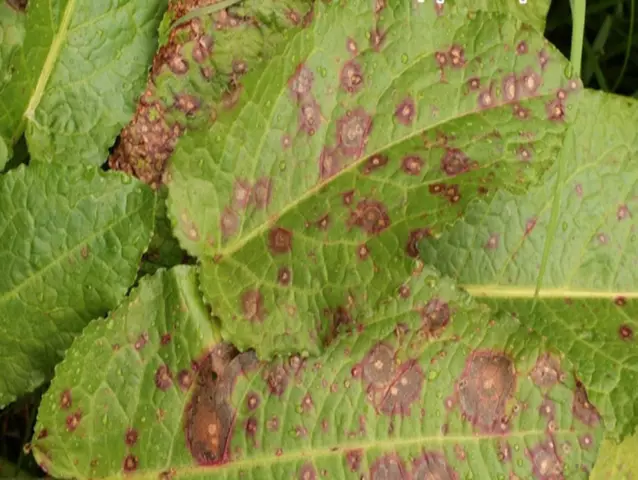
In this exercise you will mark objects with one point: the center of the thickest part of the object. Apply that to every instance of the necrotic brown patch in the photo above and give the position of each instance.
(262, 190)
(252, 306)
(487, 382)
(73, 420)
(130, 437)
(307, 472)
(276, 378)
(375, 162)
(625, 332)
(530, 81)
(510, 88)
(457, 56)
(309, 116)
(352, 132)
(163, 377)
(351, 46)
(241, 194)
(363, 251)
(412, 164)
(582, 408)
(432, 466)
(184, 380)
(329, 163)
(474, 84)
(300, 83)
(371, 216)
(130, 463)
(65, 400)
(228, 223)
(404, 390)
(378, 365)
(546, 464)
(377, 37)
(351, 77)
(546, 372)
(389, 467)
(405, 111)
(555, 110)
(353, 459)
(279, 240)
(521, 47)
(454, 162)
(284, 276)
(415, 236)
(435, 316)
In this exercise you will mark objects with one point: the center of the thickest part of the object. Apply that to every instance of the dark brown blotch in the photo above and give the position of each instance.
(378, 366)
(474, 84)
(412, 164)
(625, 332)
(284, 276)
(582, 408)
(457, 56)
(521, 47)
(253, 401)
(555, 110)
(405, 111)
(363, 251)
(252, 306)
(351, 77)
(163, 377)
(546, 372)
(404, 390)
(18, 5)
(435, 315)
(353, 130)
(276, 378)
(353, 459)
(202, 48)
(323, 223)
(187, 104)
(371, 216)
(73, 420)
(165, 339)
(184, 380)
(414, 237)
(374, 162)
(488, 381)
(351, 46)
(130, 463)
(530, 82)
(279, 240)
(454, 162)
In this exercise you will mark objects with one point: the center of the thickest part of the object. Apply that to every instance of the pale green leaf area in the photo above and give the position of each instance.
(574, 238)
(366, 129)
(71, 240)
(77, 77)
(454, 392)
(617, 461)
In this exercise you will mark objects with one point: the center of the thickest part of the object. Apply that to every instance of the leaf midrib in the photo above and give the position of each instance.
(59, 39)
(531, 292)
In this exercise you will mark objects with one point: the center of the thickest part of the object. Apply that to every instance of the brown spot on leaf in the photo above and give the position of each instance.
(73, 420)
(581, 407)
(353, 459)
(351, 77)
(187, 104)
(457, 56)
(378, 365)
(228, 223)
(530, 81)
(520, 112)
(252, 401)
(329, 163)
(352, 132)
(474, 84)
(66, 400)
(184, 380)
(351, 46)
(377, 37)
(371, 216)
(521, 47)
(279, 240)
(141, 341)
(309, 116)
(388, 467)
(130, 463)
(454, 162)
(130, 437)
(241, 194)
(163, 377)
(276, 379)
(404, 291)
(555, 110)
(487, 382)
(403, 391)
(625, 332)
(586, 441)
(375, 162)
(524, 153)
(510, 88)
(166, 339)
(415, 236)
(284, 276)
(324, 222)
(620, 301)
(363, 251)
(18, 5)
(432, 466)
(262, 190)
(252, 306)
(405, 111)
(492, 242)
(412, 164)
(543, 58)
(202, 48)
(348, 197)
(546, 372)
(486, 99)
(307, 472)
(300, 82)
(435, 315)
(622, 212)
(546, 464)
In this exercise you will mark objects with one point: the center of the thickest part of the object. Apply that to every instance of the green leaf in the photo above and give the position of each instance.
(77, 77)
(434, 383)
(617, 461)
(573, 239)
(346, 148)
(205, 52)
(70, 243)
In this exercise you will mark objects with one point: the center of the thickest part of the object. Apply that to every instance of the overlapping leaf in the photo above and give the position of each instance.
(574, 239)
(70, 243)
(434, 384)
(376, 126)
(77, 76)
(617, 461)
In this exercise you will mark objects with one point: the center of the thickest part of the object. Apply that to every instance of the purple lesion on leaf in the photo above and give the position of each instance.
(510, 88)
(184, 380)
(555, 110)
(73, 420)
(546, 463)
(389, 467)
(307, 472)
(228, 223)
(432, 465)
(272, 424)
(353, 130)
(374, 162)
(414, 237)
(412, 164)
(547, 409)
(456, 54)
(307, 403)
(530, 81)
(454, 162)
(404, 390)
(582, 408)
(405, 111)
(543, 58)
(188, 104)
(276, 377)
(130, 436)
(329, 163)
(404, 291)
(284, 276)
(353, 459)
(486, 99)
(165, 339)
(241, 194)
(286, 141)
(547, 372)
(250, 427)
(378, 366)
(252, 306)
(474, 84)
(253, 400)
(351, 46)
(351, 77)
(66, 400)
(492, 242)
(309, 116)
(623, 212)
(486, 384)
(371, 216)
(141, 341)
(130, 463)
(363, 252)
(521, 47)
(279, 241)
(435, 316)
(300, 83)
(377, 38)
(163, 377)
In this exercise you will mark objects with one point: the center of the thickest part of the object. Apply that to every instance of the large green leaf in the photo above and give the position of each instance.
(373, 124)
(70, 243)
(573, 239)
(617, 461)
(433, 384)
(76, 79)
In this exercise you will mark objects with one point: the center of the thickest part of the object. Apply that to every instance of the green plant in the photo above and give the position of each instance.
(408, 233)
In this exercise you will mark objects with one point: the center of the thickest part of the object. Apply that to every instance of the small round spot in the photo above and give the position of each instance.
(163, 377)
(141, 341)
(353, 130)
(279, 241)
(351, 77)
(353, 459)
(543, 58)
(185, 380)
(510, 88)
(252, 306)
(241, 194)
(286, 142)
(405, 111)
(545, 462)
(529, 82)
(620, 301)
(351, 46)
(412, 164)
(555, 110)
(348, 197)
(323, 223)
(524, 153)
(306, 403)
(586, 441)
(371, 216)
(529, 225)
(625, 332)
(492, 242)
(485, 99)
(276, 379)
(374, 162)
(251, 427)
(363, 251)
(73, 420)
(130, 463)
(474, 84)
(441, 59)
(165, 339)
(521, 47)
(622, 212)
(377, 37)
(252, 401)
(130, 437)
(520, 112)
(284, 276)
(454, 162)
